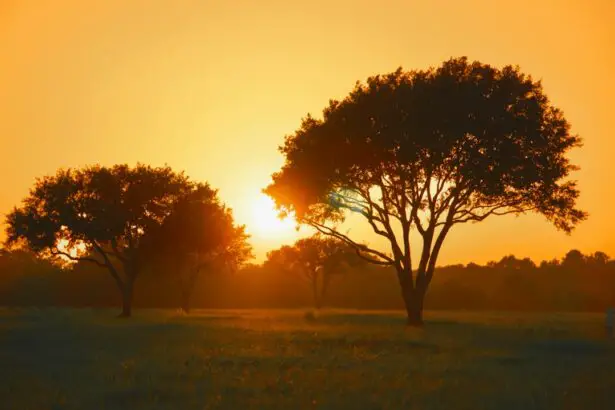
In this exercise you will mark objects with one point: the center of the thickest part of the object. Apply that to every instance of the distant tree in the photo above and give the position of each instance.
(574, 259)
(427, 150)
(598, 258)
(317, 259)
(198, 235)
(511, 262)
(99, 215)
(553, 263)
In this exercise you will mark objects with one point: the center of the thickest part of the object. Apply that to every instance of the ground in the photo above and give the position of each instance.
(87, 359)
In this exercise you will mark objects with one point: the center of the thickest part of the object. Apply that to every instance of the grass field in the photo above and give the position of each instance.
(87, 359)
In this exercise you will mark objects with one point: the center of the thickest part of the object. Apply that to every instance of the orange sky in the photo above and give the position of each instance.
(212, 87)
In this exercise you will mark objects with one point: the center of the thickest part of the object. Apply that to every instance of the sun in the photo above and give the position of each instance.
(265, 221)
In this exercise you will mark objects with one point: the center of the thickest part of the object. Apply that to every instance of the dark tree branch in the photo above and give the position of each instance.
(117, 253)
(357, 246)
(57, 252)
(108, 264)
(405, 229)
(471, 215)
(372, 260)
(384, 214)
(368, 212)
(416, 203)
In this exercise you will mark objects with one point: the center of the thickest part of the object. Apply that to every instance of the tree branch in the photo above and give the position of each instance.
(357, 246)
(371, 260)
(415, 204)
(116, 251)
(399, 257)
(471, 215)
(57, 252)
(109, 264)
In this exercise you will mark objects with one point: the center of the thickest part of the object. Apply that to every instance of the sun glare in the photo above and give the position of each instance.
(265, 221)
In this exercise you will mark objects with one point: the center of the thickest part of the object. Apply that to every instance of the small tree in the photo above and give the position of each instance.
(99, 215)
(598, 259)
(198, 235)
(574, 259)
(511, 262)
(425, 151)
(317, 259)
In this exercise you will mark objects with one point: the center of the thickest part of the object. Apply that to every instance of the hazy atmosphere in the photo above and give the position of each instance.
(335, 204)
(212, 87)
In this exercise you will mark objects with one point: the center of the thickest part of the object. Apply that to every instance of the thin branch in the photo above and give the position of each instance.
(357, 246)
(116, 251)
(347, 198)
(57, 252)
(470, 215)
(367, 211)
(371, 260)
(387, 223)
(108, 264)
(415, 204)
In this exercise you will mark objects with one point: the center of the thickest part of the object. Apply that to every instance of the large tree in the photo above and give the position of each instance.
(426, 150)
(198, 235)
(317, 259)
(98, 215)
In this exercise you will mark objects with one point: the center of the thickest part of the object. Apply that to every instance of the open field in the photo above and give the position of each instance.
(87, 359)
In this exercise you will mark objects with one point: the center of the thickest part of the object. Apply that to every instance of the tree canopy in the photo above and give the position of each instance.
(199, 234)
(97, 214)
(426, 150)
(317, 258)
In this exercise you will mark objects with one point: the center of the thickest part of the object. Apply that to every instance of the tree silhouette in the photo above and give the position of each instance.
(573, 259)
(511, 262)
(598, 258)
(199, 234)
(99, 215)
(427, 150)
(317, 259)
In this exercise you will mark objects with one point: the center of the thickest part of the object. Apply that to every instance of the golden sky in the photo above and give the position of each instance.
(212, 87)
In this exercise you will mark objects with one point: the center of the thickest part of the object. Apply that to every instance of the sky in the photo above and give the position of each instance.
(212, 87)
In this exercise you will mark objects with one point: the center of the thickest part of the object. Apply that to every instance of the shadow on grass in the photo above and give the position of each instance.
(579, 348)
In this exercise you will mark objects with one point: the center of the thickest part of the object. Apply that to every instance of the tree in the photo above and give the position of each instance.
(510, 262)
(550, 264)
(198, 235)
(317, 259)
(574, 259)
(98, 215)
(428, 150)
(598, 258)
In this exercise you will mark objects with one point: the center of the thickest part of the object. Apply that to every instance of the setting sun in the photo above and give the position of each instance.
(265, 221)
(321, 203)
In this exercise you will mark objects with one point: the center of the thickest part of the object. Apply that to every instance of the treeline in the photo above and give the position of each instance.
(576, 282)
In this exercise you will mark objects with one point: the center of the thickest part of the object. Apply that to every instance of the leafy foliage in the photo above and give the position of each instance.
(201, 226)
(198, 234)
(317, 259)
(97, 214)
(426, 150)
(95, 206)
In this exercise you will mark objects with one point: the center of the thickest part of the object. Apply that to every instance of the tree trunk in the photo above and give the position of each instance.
(127, 299)
(187, 287)
(414, 308)
(413, 301)
(185, 304)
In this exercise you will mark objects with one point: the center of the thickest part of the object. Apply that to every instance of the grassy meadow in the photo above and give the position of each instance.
(160, 359)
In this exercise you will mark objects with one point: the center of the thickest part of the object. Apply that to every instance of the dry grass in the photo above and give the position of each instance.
(84, 359)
